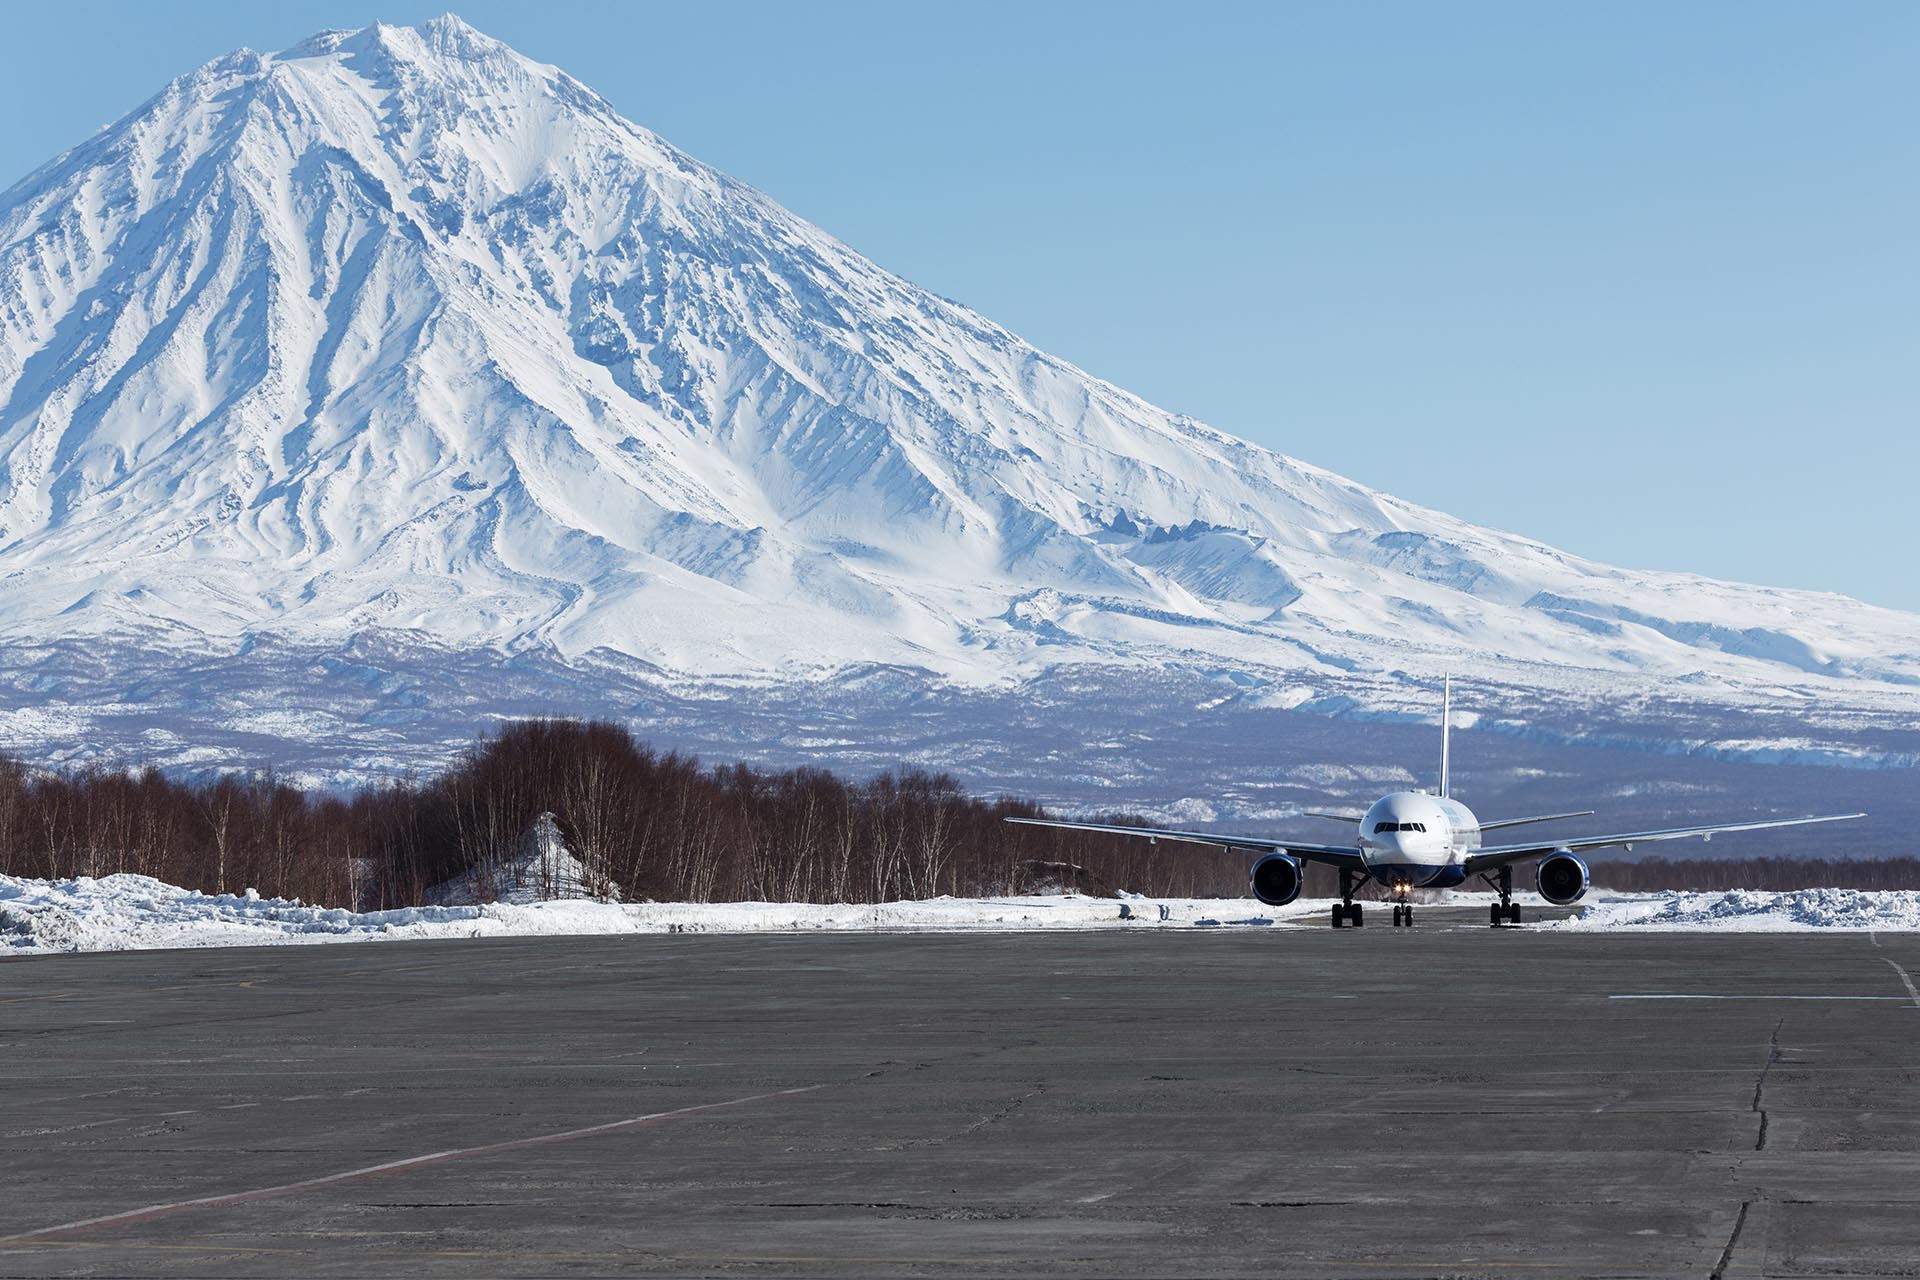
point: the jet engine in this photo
(1276, 880)
(1562, 879)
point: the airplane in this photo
(1424, 840)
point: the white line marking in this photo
(1907, 981)
(1700, 997)
(153, 1211)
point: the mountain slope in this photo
(400, 332)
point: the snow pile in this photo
(1750, 911)
(541, 869)
(126, 913)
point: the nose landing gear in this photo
(1403, 916)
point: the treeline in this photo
(644, 824)
(654, 825)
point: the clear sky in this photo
(1638, 279)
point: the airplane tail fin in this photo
(1446, 737)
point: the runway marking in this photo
(842, 1260)
(1688, 996)
(168, 1115)
(221, 1246)
(1906, 981)
(153, 1211)
(196, 1067)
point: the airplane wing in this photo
(1355, 818)
(1545, 817)
(1487, 859)
(1336, 855)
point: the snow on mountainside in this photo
(398, 332)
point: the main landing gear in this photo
(1347, 911)
(1505, 911)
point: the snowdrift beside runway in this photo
(126, 913)
(1750, 911)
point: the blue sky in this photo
(1641, 280)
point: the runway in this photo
(1294, 1101)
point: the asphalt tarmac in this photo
(1293, 1101)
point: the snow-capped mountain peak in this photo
(398, 330)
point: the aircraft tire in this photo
(1355, 915)
(1339, 915)
(1494, 914)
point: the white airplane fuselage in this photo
(1414, 840)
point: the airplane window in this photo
(1378, 827)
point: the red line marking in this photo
(153, 1211)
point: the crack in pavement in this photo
(1726, 1255)
(1759, 1085)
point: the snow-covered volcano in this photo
(398, 332)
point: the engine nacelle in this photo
(1562, 879)
(1276, 880)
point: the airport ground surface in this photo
(1291, 1101)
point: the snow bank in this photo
(1750, 911)
(123, 913)
(118, 913)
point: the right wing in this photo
(1485, 859)
(1336, 855)
(1545, 817)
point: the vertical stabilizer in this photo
(1446, 737)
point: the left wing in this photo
(1337, 855)
(1488, 859)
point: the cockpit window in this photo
(1378, 827)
